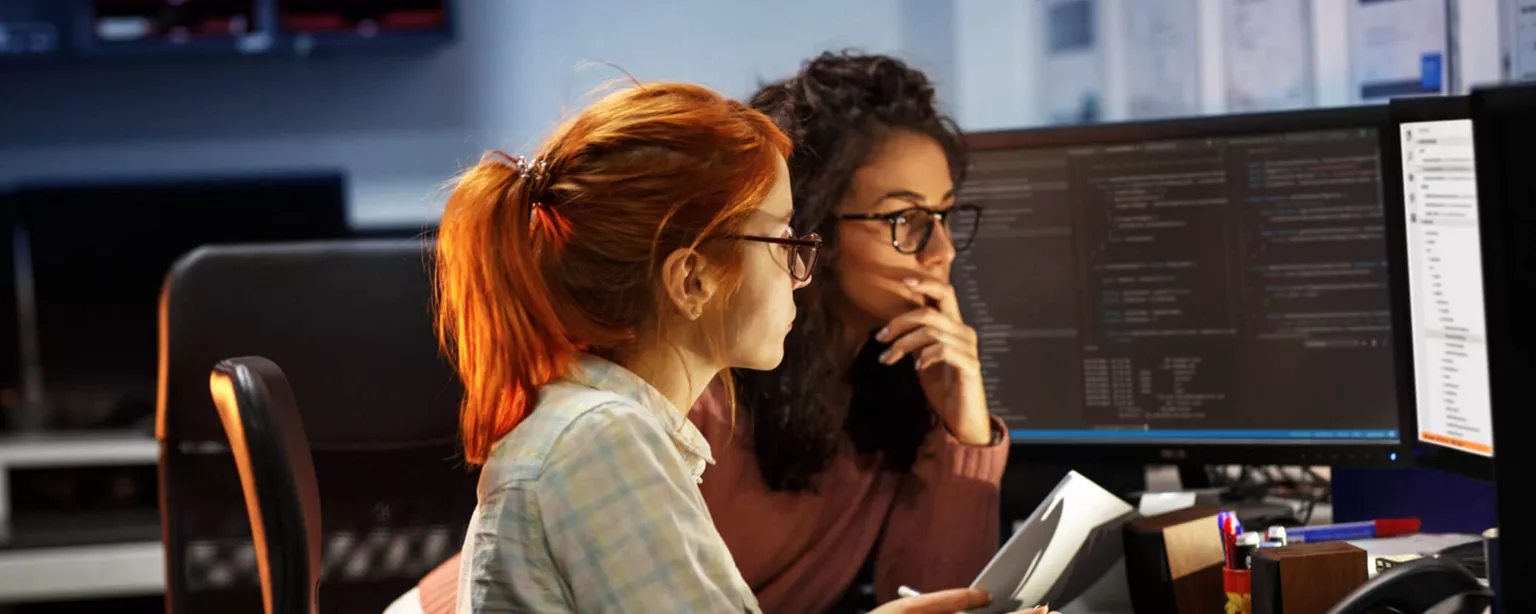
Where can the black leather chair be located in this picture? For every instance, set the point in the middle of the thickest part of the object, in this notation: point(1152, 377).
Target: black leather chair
point(266, 437)
point(351, 324)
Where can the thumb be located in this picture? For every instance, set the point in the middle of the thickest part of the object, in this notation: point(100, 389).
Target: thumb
point(946, 602)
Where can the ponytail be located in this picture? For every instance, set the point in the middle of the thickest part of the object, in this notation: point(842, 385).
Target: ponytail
point(498, 317)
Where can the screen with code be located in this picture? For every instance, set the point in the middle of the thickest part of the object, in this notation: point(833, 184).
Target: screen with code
point(1196, 290)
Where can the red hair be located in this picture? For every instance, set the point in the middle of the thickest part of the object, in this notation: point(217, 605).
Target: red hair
point(535, 266)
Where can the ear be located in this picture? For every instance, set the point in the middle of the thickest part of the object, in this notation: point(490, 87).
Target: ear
point(689, 281)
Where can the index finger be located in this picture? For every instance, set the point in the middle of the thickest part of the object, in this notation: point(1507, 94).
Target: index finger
point(940, 294)
point(947, 602)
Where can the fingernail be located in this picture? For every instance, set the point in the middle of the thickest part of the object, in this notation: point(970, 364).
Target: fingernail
point(910, 281)
point(885, 357)
point(883, 334)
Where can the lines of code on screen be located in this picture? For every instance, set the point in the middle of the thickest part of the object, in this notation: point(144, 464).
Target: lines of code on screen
point(1232, 287)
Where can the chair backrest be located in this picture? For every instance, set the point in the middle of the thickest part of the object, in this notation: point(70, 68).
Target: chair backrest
point(271, 453)
point(351, 324)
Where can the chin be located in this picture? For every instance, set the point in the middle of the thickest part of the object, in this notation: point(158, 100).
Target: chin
point(884, 305)
point(767, 360)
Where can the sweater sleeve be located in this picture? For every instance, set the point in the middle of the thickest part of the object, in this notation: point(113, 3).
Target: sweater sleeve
point(943, 526)
point(439, 590)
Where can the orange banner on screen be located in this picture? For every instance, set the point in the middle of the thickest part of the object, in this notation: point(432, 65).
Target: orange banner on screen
point(1470, 446)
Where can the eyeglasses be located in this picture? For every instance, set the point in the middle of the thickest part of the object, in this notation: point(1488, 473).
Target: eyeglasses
point(912, 228)
point(802, 252)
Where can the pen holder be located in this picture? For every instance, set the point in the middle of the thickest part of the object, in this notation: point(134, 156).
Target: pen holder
point(1238, 585)
point(1305, 578)
point(1173, 562)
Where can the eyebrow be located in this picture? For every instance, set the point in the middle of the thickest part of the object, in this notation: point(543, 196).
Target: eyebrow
point(910, 195)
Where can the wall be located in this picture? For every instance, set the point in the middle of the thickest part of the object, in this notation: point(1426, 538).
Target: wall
point(402, 126)
point(998, 50)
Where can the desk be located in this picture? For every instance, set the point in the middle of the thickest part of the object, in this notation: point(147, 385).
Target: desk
point(67, 449)
point(82, 572)
point(1110, 595)
point(73, 556)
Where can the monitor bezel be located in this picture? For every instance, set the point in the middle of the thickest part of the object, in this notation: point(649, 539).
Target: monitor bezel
point(1353, 453)
point(1401, 111)
point(1511, 293)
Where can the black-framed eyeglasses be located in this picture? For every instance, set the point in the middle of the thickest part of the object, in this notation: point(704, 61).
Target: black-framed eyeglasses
point(802, 252)
point(911, 228)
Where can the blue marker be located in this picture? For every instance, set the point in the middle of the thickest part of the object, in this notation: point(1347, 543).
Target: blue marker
point(1369, 529)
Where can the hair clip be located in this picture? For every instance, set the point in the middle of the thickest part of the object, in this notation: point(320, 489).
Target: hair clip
point(535, 177)
point(530, 168)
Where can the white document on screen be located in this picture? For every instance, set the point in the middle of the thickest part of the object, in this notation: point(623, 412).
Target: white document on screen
point(1070, 540)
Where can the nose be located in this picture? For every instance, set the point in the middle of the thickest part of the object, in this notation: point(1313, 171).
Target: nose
point(940, 250)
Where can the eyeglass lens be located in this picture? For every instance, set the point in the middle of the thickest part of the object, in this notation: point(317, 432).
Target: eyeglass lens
point(913, 229)
point(802, 260)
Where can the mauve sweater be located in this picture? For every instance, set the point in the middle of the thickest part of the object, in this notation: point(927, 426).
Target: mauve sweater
point(931, 529)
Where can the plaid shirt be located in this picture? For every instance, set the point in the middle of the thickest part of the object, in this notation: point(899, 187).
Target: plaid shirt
point(592, 505)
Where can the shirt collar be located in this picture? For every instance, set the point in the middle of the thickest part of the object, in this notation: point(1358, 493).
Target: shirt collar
point(602, 374)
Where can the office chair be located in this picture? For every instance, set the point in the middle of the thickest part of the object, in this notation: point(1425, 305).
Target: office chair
point(351, 324)
point(266, 436)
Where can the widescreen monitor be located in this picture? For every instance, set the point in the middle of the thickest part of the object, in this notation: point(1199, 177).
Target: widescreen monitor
point(1212, 288)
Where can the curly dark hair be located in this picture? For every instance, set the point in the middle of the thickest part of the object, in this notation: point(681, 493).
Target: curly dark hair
point(837, 110)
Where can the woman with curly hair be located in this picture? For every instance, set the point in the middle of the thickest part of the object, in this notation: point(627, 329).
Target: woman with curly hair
point(868, 454)
point(871, 443)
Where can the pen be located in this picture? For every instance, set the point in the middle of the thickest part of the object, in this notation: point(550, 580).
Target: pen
point(1278, 534)
point(1355, 530)
point(1230, 529)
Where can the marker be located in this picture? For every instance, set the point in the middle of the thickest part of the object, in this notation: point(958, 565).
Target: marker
point(1230, 528)
point(906, 591)
point(1368, 529)
point(1246, 544)
point(1278, 534)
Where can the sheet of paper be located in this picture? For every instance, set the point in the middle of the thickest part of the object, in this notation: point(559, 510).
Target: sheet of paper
point(1397, 48)
point(1075, 531)
point(1162, 58)
point(1268, 47)
point(1072, 67)
point(1520, 38)
point(1154, 503)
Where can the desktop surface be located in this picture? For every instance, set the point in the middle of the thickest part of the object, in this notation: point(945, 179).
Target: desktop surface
point(1219, 281)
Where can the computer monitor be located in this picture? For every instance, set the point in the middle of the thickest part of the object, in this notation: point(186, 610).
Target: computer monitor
point(94, 256)
point(1504, 134)
point(1430, 182)
point(1206, 289)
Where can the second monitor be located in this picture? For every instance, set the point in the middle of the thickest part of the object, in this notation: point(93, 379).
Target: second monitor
point(1209, 288)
